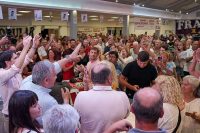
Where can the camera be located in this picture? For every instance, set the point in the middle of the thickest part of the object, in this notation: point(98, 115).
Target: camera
point(11, 38)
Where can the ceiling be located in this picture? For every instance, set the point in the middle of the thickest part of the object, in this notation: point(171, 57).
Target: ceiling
point(185, 6)
point(56, 14)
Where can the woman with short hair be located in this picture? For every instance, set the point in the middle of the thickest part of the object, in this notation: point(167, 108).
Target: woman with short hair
point(191, 114)
point(23, 110)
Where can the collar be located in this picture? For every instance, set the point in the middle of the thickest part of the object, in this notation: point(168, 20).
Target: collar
point(102, 88)
point(42, 89)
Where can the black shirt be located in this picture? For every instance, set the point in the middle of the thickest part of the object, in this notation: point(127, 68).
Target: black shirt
point(138, 76)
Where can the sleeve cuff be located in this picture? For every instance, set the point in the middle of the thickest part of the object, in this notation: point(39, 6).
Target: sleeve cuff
point(57, 67)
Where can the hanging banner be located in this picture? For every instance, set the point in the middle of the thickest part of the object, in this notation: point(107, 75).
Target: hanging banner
point(188, 26)
point(64, 16)
point(145, 23)
point(12, 13)
point(84, 18)
point(38, 15)
point(101, 18)
point(1, 14)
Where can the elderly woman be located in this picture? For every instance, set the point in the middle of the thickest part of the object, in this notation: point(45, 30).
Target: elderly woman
point(173, 102)
point(191, 114)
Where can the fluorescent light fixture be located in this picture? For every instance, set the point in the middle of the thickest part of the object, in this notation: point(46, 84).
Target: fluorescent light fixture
point(48, 16)
point(93, 16)
point(115, 17)
point(94, 19)
point(187, 13)
point(111, 20)
point(19, 14)
point(24, 11)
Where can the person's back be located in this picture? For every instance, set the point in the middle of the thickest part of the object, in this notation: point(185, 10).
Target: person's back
point(99, 109)
point(95, 106)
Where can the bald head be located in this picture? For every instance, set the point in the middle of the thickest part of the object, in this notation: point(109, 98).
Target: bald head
point(148, 105)
point(100, 73)
point(148, 96)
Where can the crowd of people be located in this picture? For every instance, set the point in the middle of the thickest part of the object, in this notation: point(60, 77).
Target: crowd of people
point(155, 78)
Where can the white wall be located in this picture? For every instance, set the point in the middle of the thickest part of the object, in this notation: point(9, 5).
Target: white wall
point(168, 26)
point(93, 26)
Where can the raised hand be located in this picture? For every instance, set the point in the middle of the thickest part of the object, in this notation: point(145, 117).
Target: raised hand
point(74, 55)
point(4, 40)
point(36, 41)
point(27, 41)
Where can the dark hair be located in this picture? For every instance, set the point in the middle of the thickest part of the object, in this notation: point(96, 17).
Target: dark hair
point(147, 114)
point(59, 77)
point(114, 53)
point(53, 52)
point(5, 56)
point(101, 76)
point(72, 40)
point(143, 56)
point(19, 115)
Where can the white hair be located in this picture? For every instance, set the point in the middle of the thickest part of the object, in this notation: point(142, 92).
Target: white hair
point(41, 70)
point(61, 119)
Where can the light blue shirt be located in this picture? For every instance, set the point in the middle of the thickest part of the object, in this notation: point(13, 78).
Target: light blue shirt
point(136, 130)
point(45, 100)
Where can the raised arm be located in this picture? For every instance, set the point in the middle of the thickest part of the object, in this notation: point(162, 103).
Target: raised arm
point(72, 57)
point(3, 40)
point(36, 42)
point(193, 65)
point(20, 60)
point(122, 125)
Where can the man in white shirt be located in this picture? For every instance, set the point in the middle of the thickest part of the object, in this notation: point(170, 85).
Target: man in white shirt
point(94, 106)
point(43, 78)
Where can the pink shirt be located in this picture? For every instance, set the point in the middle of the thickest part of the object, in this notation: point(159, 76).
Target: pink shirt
point(10, 81)
point(100, 107)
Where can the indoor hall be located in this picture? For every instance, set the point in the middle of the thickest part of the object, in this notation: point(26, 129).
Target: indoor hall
point(134, 44)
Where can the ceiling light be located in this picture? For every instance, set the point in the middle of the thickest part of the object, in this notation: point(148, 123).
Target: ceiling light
point(93, 16)
point(24, 11)
point(167, 10)
point(187, 13)
point(48, 16)
point(111, 20)
point(143, 5)
point(179, 11)
point(116, 1)
point(134, 4)
point(94, 19)
point(115, 17)
point(19, 14)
